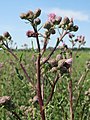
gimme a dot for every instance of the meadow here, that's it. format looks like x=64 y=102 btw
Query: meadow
x=45 y=83
x=14 y=83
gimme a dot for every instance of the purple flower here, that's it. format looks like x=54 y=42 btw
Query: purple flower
x=30 y=33
x=69 y=61
x=51 y=17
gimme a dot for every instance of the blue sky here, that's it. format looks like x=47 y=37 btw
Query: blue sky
x=11 y=9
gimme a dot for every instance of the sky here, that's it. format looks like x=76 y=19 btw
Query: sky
x=10 y=21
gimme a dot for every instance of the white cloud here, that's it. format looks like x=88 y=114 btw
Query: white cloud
x=77 y=15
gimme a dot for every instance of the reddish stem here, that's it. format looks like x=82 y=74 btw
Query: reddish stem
x=58 y=41
x=39 y=89
x=71 y=101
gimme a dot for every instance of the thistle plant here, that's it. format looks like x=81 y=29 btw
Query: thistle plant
x=48 y=69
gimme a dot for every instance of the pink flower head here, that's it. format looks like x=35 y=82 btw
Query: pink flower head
x=69 y=61
x=51 y=17
x=30 y=33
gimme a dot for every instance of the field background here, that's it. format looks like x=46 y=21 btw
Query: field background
x=21 y=92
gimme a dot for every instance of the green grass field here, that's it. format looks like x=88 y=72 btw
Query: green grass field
x=22 y=93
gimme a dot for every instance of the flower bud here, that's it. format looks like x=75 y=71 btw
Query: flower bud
x=75 y=28
x=70 y=25
x=7 y=35
x=30 y=33
x=47 y=25
x=37 y=21
x=23 y=16
x=52 y=31
x=53 y=63
x=66 y=20
x=58 y=20
x=29 y=15
x=69 y=61
x=60 y=62
x=37 y=13
x=54 y=69
x=59 y=57
x=1 y=38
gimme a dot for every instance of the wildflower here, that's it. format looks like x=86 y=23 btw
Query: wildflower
x=51 y=17
x=30 y=33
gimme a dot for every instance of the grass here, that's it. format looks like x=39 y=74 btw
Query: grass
x=22 y=93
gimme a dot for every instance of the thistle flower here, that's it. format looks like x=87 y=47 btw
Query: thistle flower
x=51 y=17
x=30 y=33
x=69 y=61
x=37 y=13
